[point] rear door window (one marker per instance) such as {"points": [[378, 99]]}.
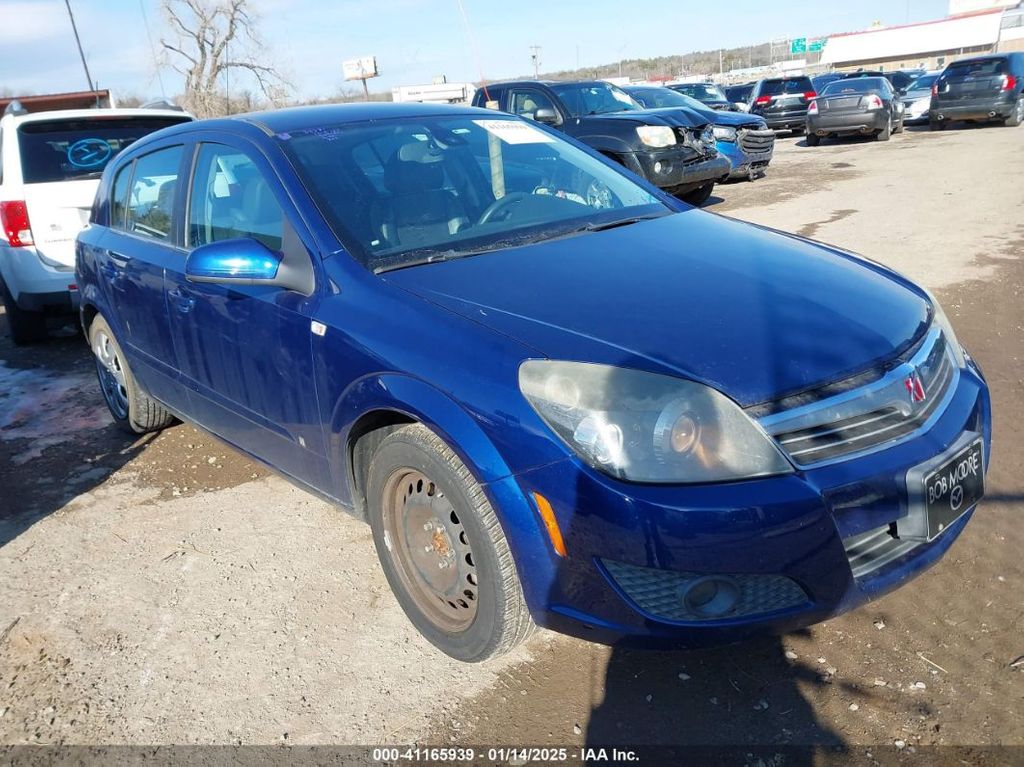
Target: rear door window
{"points": [[151, 200], [80, 148]]}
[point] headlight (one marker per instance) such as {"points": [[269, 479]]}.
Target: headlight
{"points": [[725, 133], [656, 135], [646, 427], [708, 136], [939, 318]]}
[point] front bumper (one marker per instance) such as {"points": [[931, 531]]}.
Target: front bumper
{"points": [[787, 542], [848, 123], [744, 164], [679, 170]]}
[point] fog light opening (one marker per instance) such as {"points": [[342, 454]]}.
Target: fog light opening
{"points": [[714, 596]]}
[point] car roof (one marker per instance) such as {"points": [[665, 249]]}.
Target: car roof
{"points": [[98, 114], [304, 118]]}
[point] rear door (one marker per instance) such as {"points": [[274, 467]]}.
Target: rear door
{"points": [[61, 163], [972, 83]]}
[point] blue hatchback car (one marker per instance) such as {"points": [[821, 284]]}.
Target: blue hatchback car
{"points": [[559, 396]]}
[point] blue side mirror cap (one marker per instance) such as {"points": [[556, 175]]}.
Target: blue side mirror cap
{"points": [[234, 262]]}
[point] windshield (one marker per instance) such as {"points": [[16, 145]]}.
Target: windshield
{"points": [[858, 85], [412, 191], [582, 99], [66, 150], [702, 91], [790, 85], [924, 82]]}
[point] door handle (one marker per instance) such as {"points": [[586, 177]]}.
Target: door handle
{"points": [[117, 259], [183, 302]]}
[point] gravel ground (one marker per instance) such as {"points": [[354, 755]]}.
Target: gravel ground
{"points": [[167, 590]]}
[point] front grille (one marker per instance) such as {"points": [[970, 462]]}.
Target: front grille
{"points": [[756, 141], [875, 549], [873, 416], [660, 592]]}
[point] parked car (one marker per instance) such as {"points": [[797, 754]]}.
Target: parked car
{"points": [[671, 149], [50, 165], [708, 94], [980, 89], [739, 95], [820, 81], [558, 395], [782, 102], [858, 107], [917, 99], [743, 139]]}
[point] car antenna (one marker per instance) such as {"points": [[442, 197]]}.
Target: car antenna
{"points": [[474, 49]]}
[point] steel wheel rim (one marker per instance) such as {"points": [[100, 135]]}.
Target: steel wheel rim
{"points": [[430, 550], [111, 374]]}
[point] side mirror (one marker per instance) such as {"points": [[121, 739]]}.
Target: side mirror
{"points": [[238, 262], [546, 115]]}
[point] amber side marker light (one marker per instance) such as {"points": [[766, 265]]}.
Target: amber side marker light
{"points": [[548, 515]]}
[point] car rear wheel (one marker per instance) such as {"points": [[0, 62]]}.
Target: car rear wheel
{"points": [[698, 196], [133, 410], [886, 132], [813, 139], [934, 124], [1017, 117], [25, 326], [442, 548]]}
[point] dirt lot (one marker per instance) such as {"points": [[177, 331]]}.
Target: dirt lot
{"points": [[166, 590]]}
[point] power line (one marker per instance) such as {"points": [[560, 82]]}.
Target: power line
{"points": [[152, 48]]}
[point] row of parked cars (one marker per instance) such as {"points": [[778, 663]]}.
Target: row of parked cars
{"points": [[559, 395]]}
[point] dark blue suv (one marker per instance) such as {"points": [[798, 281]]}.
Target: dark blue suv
{"points": [[558, 395]]}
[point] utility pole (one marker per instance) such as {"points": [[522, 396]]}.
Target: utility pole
{"points": [[535, 55], [720, 67], [78, 42]]}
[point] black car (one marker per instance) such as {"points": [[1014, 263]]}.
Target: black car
{"points": [[980, 88], [739, 94], [820, 81], [672, 148], [855, 107], [782, 102], [708, 94]]}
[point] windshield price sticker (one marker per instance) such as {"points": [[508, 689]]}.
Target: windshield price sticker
{"points": [[512, 132]]}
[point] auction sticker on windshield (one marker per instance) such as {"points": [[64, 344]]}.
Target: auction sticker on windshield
{"points": [[512, 132]]}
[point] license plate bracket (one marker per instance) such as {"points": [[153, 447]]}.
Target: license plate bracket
{"points": [[940, 491]]}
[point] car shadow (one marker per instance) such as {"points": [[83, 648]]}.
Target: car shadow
{"points": [[57, 440]]}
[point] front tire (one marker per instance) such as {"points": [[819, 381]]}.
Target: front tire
{"points": [[134, 411], [25, 326], [698, 196], [442, 548]]}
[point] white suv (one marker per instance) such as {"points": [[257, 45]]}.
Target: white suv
{"points": [[50, 166]]}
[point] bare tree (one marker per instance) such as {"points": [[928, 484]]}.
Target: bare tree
{"points": [[212, 40]]}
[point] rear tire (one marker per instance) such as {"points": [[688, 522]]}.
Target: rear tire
{"points": [[899, 126], [886, 132], [442, 548], [936, 125], [813, 139], [26, 326], [1017, 117], [698, 196], [132, 409]]}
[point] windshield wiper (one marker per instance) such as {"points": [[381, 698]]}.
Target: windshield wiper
{"points": [[605, 225]]}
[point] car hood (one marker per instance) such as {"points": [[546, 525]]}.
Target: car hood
{"points": [[752, 312], [676, 117]]}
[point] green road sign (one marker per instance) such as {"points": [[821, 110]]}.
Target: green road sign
{"points": [[798, 46], [816, 46]]}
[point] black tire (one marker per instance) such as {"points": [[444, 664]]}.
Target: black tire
{"points": [[813, 139], [899, 126], [798, 131], [934, 124], [497, 617], [1017, 117], [886, 132], [25, 326], [132, 409], [698, 196]]}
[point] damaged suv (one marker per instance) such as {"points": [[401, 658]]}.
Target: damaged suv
{"points": [[674, 150]]}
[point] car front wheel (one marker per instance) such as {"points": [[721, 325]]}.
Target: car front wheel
{"points": [[133, 410], [442, 548]]}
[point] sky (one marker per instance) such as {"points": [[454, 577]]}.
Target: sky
{"points": [[413, 40]]}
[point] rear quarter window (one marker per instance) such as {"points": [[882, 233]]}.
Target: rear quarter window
{"points": [[73, 149]]}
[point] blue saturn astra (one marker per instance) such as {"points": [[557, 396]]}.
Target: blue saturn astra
{"points": [[558, 396]]}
